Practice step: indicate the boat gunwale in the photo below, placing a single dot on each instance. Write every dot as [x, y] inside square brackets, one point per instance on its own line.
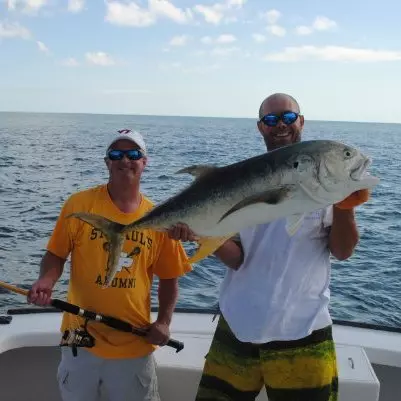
[209, 311]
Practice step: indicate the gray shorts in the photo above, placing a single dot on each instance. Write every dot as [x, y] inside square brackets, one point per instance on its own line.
[86, 376]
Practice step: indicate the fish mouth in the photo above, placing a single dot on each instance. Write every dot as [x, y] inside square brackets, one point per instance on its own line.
[360, 171]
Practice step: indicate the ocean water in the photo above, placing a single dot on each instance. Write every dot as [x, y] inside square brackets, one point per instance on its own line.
[46, 157]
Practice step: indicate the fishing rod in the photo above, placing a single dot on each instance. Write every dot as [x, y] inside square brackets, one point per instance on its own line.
[107, 320]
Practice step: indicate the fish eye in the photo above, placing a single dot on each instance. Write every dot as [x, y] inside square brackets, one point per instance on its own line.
[347, 153]
[295, 164]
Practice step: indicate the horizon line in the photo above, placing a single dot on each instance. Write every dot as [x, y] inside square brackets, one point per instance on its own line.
[181, 116]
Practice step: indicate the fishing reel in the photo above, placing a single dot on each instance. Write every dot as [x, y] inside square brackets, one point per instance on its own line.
[77, 338]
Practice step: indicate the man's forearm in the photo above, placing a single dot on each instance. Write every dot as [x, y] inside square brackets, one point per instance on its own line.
[168, 295]
[51, 267]
[231, 254]
[344, 234]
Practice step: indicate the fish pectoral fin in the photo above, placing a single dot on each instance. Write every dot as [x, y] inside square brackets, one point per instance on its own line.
[207, 245]
[270, 197]
[294, 222]
[197, 170]
[106, 226]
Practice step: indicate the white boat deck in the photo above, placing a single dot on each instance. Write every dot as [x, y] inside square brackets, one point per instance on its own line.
[357, 350]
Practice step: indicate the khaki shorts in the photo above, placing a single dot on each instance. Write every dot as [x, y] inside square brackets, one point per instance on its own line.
[82, 377]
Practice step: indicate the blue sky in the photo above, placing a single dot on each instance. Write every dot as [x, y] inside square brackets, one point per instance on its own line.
[341, 60]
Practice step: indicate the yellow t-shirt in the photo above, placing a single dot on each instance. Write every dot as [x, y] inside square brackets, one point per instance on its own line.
[145, 253]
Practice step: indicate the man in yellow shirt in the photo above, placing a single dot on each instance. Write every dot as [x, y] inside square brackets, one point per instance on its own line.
[121, 361]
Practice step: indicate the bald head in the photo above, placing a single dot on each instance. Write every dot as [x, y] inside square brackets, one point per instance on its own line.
[278, 133]
[278, 98]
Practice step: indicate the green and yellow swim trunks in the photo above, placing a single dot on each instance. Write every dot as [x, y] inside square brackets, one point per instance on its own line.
[300, 370]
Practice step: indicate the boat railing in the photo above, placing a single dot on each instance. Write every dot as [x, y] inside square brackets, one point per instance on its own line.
[210, 311]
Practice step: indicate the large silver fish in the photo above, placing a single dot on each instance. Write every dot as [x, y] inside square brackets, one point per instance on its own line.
[287, 182]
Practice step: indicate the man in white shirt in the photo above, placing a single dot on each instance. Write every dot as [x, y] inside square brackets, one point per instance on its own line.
[275, 329]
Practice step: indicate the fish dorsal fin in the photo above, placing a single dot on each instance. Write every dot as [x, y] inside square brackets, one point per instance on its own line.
[271, 197]
[197, 170]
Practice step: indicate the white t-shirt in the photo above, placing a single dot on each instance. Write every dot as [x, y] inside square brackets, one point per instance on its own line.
[281, 291]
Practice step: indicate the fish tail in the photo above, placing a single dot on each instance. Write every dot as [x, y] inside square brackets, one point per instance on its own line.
[115, 235]
[115, 247]
[208, 245]
[106, 226]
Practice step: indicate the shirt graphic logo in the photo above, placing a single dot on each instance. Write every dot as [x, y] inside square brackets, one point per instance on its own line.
[127, 259]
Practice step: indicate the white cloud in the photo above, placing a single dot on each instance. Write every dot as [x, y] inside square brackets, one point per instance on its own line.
[28, 6]
[219, 12]
[271, 16]
[221, 48]
[16, 31]
[222, 39]
[75, 6]
[333, 53]
[100, 58]
[10, 30]
[211, 15]
[276, 30]
[323, 24]
[258, 38]
[181, 40]
[319, 24]
[42, 47]
[225, 38]
[70, 62]
[11, 4]
[164, 8]
[233, 3]
[303, 30]
[130, 14]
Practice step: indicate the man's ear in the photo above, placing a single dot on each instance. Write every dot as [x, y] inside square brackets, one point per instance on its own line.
[259, 125]
[301, 120]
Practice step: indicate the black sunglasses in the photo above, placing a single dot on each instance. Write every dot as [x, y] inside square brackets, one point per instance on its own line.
[132, 154]
[288, 118]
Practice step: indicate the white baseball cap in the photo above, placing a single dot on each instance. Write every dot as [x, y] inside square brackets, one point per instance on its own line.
[133, 136]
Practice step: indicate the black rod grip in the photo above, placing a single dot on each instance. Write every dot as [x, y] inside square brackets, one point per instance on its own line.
[178, 345]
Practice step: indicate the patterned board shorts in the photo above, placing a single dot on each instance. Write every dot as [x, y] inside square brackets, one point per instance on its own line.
[300, 370]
